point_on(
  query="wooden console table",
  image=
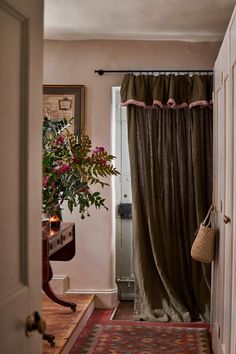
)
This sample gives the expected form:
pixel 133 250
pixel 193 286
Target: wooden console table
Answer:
pixel 57 246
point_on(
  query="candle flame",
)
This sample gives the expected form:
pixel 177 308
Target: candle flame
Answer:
pixel 54 218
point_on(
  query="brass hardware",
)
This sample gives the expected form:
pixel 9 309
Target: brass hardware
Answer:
pixel 34 323
pixel 226 219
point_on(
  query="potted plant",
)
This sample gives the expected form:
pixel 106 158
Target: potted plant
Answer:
pixel 71 170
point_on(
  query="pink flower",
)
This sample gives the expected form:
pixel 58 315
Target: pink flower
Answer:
pixel 64 168
pixel 102 161
pixel 97 150
pixel 75 159
pixel 60 140
pixel 53 184
pixel 45 181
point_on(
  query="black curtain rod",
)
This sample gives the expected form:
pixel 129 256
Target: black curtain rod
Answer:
pixel 101 72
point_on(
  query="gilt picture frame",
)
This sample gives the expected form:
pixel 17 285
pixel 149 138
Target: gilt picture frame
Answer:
pixel 65 101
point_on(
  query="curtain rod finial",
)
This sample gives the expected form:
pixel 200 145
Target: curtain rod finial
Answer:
pixel 100 72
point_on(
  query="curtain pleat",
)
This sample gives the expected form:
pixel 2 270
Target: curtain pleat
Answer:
pixel 171 177
pixel 174 91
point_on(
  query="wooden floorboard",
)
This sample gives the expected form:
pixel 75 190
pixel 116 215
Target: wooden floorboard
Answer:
pixel 64 324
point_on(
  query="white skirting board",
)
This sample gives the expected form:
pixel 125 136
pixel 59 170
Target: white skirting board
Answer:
pixel 107 299
pixel 59 284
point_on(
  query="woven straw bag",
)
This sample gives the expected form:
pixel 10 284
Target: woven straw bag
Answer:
pixel 203 246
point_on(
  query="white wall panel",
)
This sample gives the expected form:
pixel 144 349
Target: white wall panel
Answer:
pixel 223 291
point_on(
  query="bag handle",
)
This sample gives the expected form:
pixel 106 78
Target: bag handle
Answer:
pixel 207 216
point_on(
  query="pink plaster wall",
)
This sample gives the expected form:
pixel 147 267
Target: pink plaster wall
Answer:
pixel 74 62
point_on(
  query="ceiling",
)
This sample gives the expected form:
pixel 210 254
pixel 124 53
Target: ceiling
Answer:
pixel 187 20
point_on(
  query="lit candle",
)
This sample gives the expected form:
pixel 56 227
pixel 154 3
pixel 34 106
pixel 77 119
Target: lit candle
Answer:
pixel 55 222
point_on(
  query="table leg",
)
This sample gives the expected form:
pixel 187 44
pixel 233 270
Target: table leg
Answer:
pixel 48 291
pixel 50 338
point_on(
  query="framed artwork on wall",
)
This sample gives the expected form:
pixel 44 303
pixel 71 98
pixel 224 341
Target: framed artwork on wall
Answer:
pixel 65 102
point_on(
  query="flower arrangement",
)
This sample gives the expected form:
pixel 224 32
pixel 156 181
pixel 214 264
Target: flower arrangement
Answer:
pixel 70 170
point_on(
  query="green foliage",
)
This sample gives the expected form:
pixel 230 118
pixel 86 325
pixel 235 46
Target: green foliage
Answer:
pixel 70 168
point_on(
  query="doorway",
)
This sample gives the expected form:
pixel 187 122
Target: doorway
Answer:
pixel 123 201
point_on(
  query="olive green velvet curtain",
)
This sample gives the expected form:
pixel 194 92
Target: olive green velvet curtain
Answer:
pixel 171 176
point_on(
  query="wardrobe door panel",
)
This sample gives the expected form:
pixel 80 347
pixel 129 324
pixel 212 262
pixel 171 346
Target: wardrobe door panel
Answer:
pixel 224 196
pixel 233 221
pixel 217 200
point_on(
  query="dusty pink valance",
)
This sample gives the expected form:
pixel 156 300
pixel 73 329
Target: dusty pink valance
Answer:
pixel 167 91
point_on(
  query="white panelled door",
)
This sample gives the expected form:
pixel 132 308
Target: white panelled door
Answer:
pixel 227 235
pixel 21 35
pixel 232 43
pixel 224 284
pixel 218 200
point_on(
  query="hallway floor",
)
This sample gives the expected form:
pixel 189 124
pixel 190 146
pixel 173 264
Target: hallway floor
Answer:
pixel 65 324
pixel 72 328
pixel 103 335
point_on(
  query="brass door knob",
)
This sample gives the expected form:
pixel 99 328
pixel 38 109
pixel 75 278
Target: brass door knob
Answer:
pixel 34 323
pixel 226 219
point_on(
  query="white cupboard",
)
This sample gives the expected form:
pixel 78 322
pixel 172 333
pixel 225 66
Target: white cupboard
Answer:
pixel 224 196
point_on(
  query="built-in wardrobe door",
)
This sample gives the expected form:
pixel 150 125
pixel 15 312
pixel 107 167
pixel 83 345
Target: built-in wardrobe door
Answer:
pixel 222 291
pixel 225 216
pixel 218 198
pixel 233 222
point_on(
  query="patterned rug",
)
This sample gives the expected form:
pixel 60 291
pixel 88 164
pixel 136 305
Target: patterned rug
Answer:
pixel 144 338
